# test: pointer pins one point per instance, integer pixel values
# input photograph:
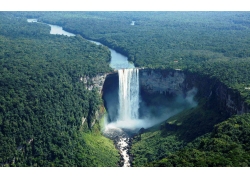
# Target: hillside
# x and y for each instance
(207, 43)
(227, 145)
(43, 102)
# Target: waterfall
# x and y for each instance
(128, 94)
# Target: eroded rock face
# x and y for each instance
(231, 100)
(94, 82)
(217, 94)
(157, 81)
(97, 83)
(177, 82)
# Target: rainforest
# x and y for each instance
(148, 89)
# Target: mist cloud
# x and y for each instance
(155, 114)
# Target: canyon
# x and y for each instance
(162, 93)
(173, 83)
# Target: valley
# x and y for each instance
(169, 89)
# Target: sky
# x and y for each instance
(124, 5)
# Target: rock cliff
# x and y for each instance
(94, 82)
(226, 99)
(178, 82)
(158, 84)
(158, 81)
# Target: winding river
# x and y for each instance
(118, 61)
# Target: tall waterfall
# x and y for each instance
(128, 94)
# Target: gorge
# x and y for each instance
(137, 99)
(128, 93)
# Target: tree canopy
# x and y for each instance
(43, 102)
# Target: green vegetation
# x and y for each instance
(208, 43)
(44, 103)
(152, 146)
(174, 134)
(195, 138)
(43, 100)
(100, 151)
(226, 145)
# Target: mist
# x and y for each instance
(155, 114)
(151, 113)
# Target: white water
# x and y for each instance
(128, 117)
(128, 94)
(123, 147)
(113, 132)
(128, 105)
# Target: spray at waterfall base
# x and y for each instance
(128, 110)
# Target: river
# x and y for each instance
(118, 61)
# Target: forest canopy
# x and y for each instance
(211, 43)
(43, 102)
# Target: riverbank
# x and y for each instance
(121, 139)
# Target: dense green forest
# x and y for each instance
(200, 136)
(43, 100)
(211, 44)
(226, 145)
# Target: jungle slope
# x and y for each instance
(227, 145)
(46, 112)
(215, 44)
(211, 44)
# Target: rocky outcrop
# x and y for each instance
(158, 81)
(231, 100)
(217, 94)
(83, 120)
(179, 82)
(94, 82)
(98, 115)
(176, 82)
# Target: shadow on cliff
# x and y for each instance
(157, 108)
(193, 122)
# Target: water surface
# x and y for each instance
(118, 61)
(59, 30)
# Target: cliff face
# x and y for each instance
(217, 94)
(94, 82)
(175, 82)
(231, 100)
(157, 81)
(156, 85)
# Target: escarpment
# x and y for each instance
(172, 83)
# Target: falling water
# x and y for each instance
(128, 97)
(128, 111)
(128, 94)
(128, 105)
